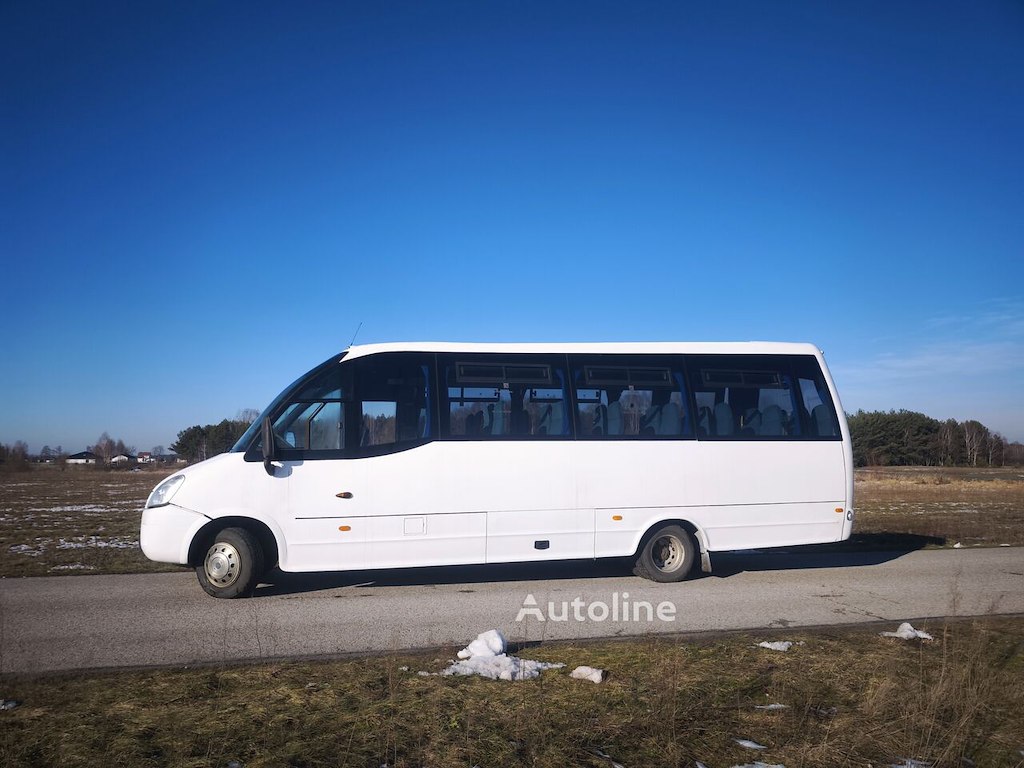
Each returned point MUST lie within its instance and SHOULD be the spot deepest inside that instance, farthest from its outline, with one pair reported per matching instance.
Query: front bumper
(167, 532)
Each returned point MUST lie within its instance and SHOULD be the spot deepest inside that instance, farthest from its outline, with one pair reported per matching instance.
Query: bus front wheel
(232, 565)
(668, 554)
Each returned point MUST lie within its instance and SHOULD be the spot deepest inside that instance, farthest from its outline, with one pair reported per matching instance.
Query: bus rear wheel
(667, 555)
(233, 564)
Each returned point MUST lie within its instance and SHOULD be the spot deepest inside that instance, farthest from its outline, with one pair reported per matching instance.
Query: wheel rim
(667, 553)
(222, 564)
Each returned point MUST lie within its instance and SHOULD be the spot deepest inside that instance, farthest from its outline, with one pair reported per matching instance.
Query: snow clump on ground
(588, 673)
(486, 657)
(906, 632)
(782, 645)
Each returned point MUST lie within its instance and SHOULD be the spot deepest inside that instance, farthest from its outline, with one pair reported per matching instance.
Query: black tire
(667, 554)
(232, 564)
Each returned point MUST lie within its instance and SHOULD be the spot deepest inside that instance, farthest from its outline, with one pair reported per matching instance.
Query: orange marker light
(616, 517)
(344, 527)
(839, 510)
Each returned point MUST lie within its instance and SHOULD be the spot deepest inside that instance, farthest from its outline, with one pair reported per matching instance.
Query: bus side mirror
(269, 445)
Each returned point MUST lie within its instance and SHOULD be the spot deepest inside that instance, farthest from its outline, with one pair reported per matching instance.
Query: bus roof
(610, 347)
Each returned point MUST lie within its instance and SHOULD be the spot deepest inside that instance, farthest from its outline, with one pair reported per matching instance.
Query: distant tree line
(199, 443)
(14, 457)
(908, 438)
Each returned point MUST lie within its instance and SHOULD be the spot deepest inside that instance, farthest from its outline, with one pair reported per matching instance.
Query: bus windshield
(252, 433)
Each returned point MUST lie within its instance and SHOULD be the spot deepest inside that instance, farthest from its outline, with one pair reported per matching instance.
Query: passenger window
(505, 397)
(390, 401)
(379, 423)
(760, 398)
(622, 397)
(743, 397)
(817, 411)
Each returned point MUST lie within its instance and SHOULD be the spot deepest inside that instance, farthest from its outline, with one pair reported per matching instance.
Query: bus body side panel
(445, 502)
(740, 494)
(522, 491)
(771, 493)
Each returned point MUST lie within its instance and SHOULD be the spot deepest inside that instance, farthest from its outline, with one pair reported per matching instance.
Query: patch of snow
(771, 707)
(759, 764)
(906, 632)
(25, 549)
(958, 545)
(749, 744)
(588, 673)
(486, 657)
(911, 763)
(72, 508)
(782, 645)
(74, 567)
(490, 643)
(6, 704)
(500, 667)
(86, 542)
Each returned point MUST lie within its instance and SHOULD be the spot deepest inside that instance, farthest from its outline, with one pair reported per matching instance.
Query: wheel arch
(203, 538)
(694, 530)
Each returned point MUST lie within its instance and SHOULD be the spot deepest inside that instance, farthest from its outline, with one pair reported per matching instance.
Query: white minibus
(426, 454)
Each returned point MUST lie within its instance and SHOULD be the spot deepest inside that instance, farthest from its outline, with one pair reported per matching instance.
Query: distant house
(85, 457)
(145, 457)
(123, 458)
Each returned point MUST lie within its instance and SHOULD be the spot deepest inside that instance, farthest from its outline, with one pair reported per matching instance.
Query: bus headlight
(162, 494)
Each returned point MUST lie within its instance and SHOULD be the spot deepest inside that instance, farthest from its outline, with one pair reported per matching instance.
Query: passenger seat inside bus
(772, 421)
(670, 421)
(496, 419)
(704, 421)
(751, 422)
(551, 421)
(614, 417)
(724, 425)
(821, 422)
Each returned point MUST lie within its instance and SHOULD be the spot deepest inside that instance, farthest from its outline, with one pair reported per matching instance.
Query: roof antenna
(356, 333)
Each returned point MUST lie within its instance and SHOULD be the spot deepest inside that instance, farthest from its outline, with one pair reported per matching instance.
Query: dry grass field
(77, 521)
(945, 506)
(848, 698)
(84, 521)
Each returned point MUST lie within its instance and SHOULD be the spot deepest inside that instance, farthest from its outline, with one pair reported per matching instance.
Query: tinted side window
(761, 397)
(390, 403)
(505, 396)
(631, 397)
(362, 407)
(818, 412)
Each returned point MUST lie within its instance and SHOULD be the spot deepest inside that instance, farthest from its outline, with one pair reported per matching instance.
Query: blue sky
(200, 200)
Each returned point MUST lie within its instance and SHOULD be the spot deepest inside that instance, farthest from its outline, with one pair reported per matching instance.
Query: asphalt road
(95, 622)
